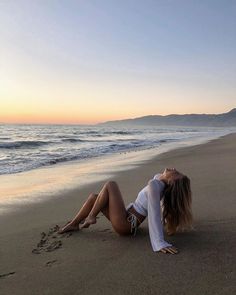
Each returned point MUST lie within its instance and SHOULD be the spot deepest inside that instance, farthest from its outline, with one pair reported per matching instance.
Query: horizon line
(93, 124)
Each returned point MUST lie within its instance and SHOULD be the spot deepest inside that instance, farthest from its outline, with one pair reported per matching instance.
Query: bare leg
(73, 225)
(110, 197)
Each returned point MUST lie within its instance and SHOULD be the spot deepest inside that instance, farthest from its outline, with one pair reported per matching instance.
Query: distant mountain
(210, 120)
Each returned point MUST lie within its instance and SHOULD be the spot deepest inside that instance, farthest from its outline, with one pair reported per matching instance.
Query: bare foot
(68, 227)
(88, 221)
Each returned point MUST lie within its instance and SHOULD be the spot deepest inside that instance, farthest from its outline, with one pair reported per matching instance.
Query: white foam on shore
(40, 184)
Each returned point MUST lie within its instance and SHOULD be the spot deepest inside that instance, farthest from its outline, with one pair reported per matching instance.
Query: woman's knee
(111, 184)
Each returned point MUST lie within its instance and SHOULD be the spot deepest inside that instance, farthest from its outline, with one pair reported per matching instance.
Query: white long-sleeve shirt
(148, 203)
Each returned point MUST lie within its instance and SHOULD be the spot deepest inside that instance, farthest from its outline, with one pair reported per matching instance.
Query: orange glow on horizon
(73, 118)
(48, 119)
(20, 110)
(33, 118)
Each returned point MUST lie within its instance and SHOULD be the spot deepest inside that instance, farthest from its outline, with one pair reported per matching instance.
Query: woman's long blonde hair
(177, 201)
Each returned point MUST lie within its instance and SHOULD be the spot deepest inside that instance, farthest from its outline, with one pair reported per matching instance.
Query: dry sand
(98, 261)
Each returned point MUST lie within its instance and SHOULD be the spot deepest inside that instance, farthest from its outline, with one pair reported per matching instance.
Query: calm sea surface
(27, 147)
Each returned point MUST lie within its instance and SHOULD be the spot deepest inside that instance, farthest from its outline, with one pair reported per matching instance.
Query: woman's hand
(171, 250)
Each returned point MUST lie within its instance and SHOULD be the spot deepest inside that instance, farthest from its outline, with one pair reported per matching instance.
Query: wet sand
(34, 259)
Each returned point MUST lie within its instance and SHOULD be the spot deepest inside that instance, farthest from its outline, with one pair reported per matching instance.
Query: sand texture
(34, 259)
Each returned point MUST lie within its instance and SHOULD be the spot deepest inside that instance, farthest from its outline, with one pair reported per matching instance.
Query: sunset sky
(97, 60)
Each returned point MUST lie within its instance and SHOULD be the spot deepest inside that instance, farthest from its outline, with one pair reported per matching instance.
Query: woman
(169, 191)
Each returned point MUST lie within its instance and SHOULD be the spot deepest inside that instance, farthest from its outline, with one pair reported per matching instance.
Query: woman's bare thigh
(116, 209)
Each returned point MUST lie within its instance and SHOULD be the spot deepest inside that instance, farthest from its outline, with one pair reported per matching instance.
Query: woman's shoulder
(156, 180)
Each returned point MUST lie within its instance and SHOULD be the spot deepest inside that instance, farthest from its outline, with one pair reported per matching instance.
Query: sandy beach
(98, 261)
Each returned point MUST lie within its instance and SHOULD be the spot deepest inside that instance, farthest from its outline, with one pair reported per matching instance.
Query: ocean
(28, 147)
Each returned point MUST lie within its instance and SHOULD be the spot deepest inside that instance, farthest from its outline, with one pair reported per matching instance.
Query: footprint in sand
(7, 274)
(53, 246)
(53, 230)
(48, 241)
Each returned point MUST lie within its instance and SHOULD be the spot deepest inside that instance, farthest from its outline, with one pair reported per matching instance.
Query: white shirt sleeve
(154, 217)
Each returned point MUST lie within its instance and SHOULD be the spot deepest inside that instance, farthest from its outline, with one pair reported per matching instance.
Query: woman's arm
(154, 220)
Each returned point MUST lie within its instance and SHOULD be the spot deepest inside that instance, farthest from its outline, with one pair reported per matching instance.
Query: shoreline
(45, 183)
(107, 259)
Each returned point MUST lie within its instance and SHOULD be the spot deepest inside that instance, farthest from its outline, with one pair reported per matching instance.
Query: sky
(84, 62)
